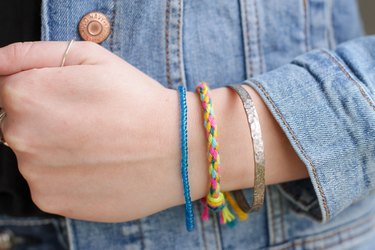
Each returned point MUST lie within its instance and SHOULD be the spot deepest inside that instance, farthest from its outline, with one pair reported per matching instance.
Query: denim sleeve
(324, 102)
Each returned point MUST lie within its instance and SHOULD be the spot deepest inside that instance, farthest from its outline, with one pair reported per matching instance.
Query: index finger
(30, 55)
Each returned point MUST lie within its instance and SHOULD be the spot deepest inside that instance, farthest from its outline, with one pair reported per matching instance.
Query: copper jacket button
(94, 27)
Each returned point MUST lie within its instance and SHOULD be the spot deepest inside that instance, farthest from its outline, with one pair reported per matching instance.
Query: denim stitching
(305, 6)
(26, 222)
(247, 38)
(71, 229)
(200, 224)
(141, 234)
(113, 25)
(168, 68)
(258, 36)
(346, 73)
(281, 204)
(272, 215)
(363, 221)
(324, 199)
(45, 12)
(295, 202)
(330, 28)
(61, 233)
(361, 233)
(179, 33)
(216, 228)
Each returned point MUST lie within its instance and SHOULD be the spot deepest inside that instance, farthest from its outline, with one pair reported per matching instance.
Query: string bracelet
(240, 213)
(258, 149)
(189, 214)
(215, 199)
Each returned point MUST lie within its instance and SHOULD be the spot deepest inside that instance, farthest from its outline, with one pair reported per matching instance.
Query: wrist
(233, 136)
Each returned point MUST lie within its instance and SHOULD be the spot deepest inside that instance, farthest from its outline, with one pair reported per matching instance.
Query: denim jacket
(317, 77)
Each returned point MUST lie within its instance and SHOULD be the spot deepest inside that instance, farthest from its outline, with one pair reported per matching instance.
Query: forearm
(235, 145)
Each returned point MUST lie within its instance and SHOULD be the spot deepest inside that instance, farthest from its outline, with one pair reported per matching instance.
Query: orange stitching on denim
(299, 146)
(168, 68)
(346, 73)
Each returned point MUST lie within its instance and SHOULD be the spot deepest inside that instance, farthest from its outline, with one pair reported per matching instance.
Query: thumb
(19, 57)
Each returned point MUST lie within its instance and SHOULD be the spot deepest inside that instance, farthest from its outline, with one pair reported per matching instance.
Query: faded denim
(316, 76)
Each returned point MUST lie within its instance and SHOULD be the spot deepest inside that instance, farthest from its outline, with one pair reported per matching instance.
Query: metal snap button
(94, 27)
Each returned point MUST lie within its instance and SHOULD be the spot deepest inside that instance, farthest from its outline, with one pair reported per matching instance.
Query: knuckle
(17, 51)
(89, 46)
(28, 173)
(12, 91)
(17, 95)
(15, 137)
(14, 55)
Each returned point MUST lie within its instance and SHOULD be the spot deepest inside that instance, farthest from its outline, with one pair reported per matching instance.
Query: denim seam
(60, 228)
(294, 201)
(44, 20)
(216, 231)
(272, 216)
(168, 67)
(330, 28)
(71, 228)
(114, 13)
(350, 238)
(302, 242)
(173, 43)
(141, 234)
(181, 63)
(200, 224)
(282, 211)
(26, 222)
(358, 223)
(258, 36)
(306, 20)
(334, 60)
(322, 194)
(179, 37)
(249, 64)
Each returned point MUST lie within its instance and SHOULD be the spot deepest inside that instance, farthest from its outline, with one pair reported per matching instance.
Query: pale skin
(99, 140)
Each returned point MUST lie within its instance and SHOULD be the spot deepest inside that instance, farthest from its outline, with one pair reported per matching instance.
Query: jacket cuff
(326, 110)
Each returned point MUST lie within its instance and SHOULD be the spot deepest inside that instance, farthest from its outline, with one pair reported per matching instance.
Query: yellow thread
(241, 214)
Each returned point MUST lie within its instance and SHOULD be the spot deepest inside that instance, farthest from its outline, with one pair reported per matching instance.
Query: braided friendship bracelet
(215, 199)
(258, 149)
(189, 214)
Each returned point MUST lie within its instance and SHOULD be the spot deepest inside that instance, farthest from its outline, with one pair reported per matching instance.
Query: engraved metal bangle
(258, 148)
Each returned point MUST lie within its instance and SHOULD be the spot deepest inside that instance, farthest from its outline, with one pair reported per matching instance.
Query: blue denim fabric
(319, 86)
(32, 233)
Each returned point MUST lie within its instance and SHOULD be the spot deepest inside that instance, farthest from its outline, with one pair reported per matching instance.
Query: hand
(90, 138)
(99, 140)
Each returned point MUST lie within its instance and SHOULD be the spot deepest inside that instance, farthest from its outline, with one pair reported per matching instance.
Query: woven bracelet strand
(215, 199)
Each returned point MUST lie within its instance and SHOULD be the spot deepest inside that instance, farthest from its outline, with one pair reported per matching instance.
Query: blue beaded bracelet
(189, 215)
